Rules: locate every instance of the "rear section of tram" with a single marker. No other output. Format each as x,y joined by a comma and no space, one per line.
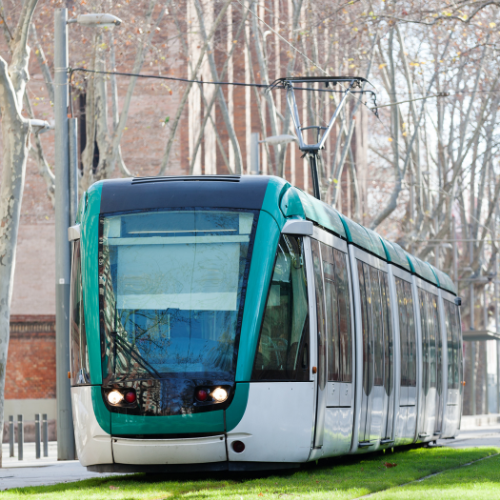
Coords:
235,323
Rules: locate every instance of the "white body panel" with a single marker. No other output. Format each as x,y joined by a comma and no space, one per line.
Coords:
93,444
338,431
277,424
169,451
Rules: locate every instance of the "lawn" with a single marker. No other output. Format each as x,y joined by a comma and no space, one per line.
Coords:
344,478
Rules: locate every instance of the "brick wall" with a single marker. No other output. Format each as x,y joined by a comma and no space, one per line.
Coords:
31,363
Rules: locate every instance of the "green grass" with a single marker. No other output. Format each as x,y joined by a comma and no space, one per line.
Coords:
344,478
479,481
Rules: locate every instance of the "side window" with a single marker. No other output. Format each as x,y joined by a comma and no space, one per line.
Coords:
344,310
320,313
79,356
332,314
378,329
407,334
282,352
365,326
375,326
388,338
453,341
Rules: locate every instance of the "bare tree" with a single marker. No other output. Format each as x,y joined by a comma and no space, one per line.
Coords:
15,133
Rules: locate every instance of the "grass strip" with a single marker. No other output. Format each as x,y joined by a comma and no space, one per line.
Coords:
479,480
342,478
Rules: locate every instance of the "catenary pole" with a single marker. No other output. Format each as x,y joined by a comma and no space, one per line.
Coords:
65,439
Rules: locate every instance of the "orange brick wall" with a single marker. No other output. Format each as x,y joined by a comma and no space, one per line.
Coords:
31,363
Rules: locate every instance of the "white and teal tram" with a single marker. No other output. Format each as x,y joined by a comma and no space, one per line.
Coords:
236,323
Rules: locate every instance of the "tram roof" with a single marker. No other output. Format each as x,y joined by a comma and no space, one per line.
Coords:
218,191
370,241
249,192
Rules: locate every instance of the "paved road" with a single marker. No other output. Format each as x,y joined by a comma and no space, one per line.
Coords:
32,472
470,438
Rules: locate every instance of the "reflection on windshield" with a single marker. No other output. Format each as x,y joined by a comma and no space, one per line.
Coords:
171,284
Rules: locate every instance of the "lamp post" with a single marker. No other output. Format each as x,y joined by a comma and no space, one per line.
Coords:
273,140
65,438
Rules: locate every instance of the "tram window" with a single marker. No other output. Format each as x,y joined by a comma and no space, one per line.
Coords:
282,352
433,334
374,328
344,309
378,329
172,287
453,340
79,350
365,324
388,342
430,330
320,314
407,334
332,313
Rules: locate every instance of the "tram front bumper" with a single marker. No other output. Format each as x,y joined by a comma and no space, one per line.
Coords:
169,451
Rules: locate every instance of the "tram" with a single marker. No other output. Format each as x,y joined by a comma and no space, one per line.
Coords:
237,323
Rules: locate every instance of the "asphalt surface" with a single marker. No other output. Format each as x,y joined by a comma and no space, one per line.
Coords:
32,472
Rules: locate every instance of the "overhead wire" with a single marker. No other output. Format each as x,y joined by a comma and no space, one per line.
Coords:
202,82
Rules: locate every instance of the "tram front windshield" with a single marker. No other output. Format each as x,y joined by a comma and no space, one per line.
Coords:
171,292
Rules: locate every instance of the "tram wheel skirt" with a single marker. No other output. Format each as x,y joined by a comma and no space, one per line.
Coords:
207,467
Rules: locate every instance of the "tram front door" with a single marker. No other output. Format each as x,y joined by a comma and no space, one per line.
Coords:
377,401
335,361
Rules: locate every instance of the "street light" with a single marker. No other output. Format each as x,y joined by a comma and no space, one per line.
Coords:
65,183
273,140
101,20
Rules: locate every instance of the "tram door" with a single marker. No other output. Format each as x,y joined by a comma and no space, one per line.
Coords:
431,394
335,395
376,419
407,412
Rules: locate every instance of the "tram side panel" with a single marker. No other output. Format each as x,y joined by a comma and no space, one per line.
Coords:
279,421
93,443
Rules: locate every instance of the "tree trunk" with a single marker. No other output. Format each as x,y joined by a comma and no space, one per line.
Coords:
15,135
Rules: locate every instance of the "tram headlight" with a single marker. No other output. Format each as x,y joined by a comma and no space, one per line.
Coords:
219,394
115,397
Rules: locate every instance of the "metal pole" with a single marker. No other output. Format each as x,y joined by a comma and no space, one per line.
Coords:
485,345
495,302
313,161
65,443
37,435
455,253
45,435
11,435
20,437
254,154
73,169
472,344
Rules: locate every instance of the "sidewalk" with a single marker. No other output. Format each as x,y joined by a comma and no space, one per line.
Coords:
32,472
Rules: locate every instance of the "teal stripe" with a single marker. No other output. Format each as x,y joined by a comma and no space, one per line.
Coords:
265,244
89,250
